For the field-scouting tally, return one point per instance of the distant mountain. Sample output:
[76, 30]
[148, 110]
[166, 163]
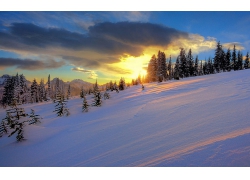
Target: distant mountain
[5, 76]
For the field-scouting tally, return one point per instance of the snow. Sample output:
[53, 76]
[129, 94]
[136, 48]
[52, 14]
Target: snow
[197, 121]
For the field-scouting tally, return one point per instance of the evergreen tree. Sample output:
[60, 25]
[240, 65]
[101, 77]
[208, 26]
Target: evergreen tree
[170, 68]
[219, 57]
[176, 69]
[97, 99]
[240, 61]
[161, 67]
[49, 87]
[234, 59]
[34, 118]
[190, 64]
[82, 93]
[196, 66]
[106, 95]
[7, 92]
[3, 128]
[85, 105]
[111, 85]
[152, 70]
[246, 64]
[41, 88]
[228, 60]
[68, 92]
[34, 91]
[183, 64]
[13, 120]
[122, 84]
[61, 106]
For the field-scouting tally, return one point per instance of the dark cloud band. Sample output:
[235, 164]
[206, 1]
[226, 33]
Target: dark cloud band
[28, 64]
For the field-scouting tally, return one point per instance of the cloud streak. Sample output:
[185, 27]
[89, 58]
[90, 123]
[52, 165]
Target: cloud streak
[29, 64]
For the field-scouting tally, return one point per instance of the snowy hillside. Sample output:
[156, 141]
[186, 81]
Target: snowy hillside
[198, 121]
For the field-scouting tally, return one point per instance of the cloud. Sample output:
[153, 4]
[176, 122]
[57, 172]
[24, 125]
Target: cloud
[238, 46]
[80, 70]
[29, 64]
[91, 73]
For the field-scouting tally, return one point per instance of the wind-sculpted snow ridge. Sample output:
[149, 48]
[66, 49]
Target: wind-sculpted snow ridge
[196, 121]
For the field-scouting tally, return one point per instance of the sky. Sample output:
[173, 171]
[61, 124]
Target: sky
[108, 45]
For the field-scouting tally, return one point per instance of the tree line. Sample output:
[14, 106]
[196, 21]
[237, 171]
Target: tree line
[159, 69]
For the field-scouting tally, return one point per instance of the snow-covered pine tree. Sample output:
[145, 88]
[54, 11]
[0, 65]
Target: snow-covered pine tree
[49, 88]
[7, 92]
[17, 89]
[23, 88]
[106, 95]
[190, 63]
[82, 93]
[122, 84]
[170, 69]
[246, 64]
[85, 105]
[218, 58]
[34, 118]
[3, 128]
[234, 59]
[228, 60]
[183, 64]
[42, 96]
[111, 86]
[97, 97]
[115, 87]
[177, 70]
[68, 92]
[240, 61]
[196, 66]
[161, 66]
[61, 106]
[34, 91]
[13, 120]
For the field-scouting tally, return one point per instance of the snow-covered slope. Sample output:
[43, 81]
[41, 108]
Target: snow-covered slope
[198, 121]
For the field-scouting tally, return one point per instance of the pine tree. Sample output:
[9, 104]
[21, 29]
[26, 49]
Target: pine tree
[13, 120]
[176, 69]
[106, 95]
[152, 69]
[97, 98]
[34, 118]
[41, 89]
[68, 92]
[7, 92]
[122, 84]
[190, 64]
[3, 128]
[49, 87]
[61, 106]
[246, 64]
[218, 58]
[196, 66]
[161, 67]
[228, 60]
[85, 105]
[111, 86]
[170, 69]
[34, 91]
[234, 59]
[240, 61]
[183, 64]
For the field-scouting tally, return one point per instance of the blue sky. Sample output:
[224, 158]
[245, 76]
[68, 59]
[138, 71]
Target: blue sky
[108, 45]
